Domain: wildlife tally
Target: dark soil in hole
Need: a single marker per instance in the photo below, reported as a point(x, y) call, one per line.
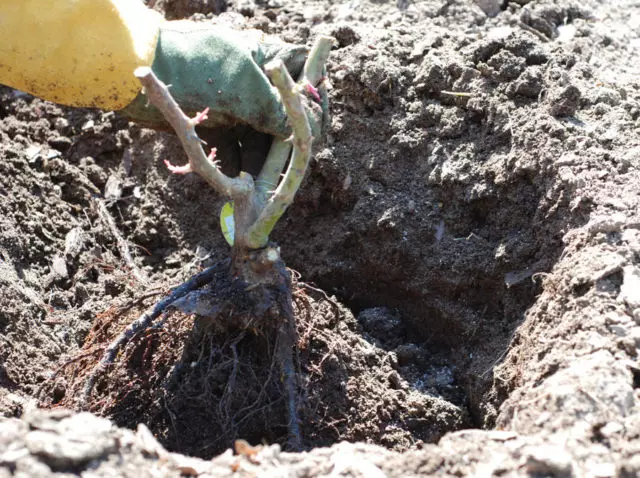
point(474, 205)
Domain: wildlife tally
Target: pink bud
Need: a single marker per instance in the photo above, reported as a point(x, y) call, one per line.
point(177, 169)
point(200, 117)
point(313, 91)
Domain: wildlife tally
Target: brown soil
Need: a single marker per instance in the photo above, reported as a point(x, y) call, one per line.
point(473, 211)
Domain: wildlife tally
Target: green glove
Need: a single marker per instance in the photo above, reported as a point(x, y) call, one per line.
point(219, 68)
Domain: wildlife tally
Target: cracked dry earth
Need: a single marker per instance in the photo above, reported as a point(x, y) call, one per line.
point(474, 209)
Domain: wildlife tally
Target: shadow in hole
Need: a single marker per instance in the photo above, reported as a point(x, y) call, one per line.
point(240, 148)
point(458, 260)
point(5, 381)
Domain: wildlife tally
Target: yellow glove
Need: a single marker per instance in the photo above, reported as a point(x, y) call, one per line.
point(77, 52)
point(84, 53)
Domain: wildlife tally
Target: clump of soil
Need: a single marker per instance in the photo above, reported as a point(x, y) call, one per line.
point(200, 382)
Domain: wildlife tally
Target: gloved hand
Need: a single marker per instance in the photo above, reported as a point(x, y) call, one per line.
point(221, 69)
point(84, 52)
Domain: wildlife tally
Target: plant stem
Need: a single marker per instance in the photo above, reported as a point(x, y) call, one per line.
point(314, 67)
point(159, 96)
point(313, 73)
point(258, 233)
point(274, 164)
point(257, 207)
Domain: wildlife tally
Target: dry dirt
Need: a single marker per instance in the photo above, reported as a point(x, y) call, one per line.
point(472, 217)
